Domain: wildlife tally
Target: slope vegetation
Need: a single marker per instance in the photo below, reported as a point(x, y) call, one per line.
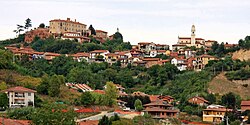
point(220, 84)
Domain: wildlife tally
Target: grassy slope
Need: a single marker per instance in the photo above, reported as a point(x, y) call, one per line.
point(221, 85)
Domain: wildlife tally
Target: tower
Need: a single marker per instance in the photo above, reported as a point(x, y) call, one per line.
point(193, 35)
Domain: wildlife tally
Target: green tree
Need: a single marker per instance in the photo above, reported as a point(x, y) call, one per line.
point(4, 101)
point(138, 105)
point(91, 28)
point(54, 86)
point(27, 24)
point(87, 99)
point(42, 25)
point(53, 114)
point(80, 75)
point(104, 121)
point(6, 60)
point(3, 86)
point(111, 93)
point(211, 98)
point(229, 100)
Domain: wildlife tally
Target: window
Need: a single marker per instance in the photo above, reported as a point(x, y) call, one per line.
point(29, 94)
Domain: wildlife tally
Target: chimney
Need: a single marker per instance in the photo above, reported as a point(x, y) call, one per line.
point(68, 19)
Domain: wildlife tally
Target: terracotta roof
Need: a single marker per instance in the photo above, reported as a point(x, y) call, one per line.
point(151, 59)
point(190, 38)
point(51, 54)
point(153, 97)
point(6, 121)
point(179, 45)
point(157, 109)
point(89, 122)
point(87, 110)
point(158, 102)
point(67, 21)
point(99, 51)
point(144, 43)
point(111, 54)
point(201, 98)
point(161, 45)
point(207, 56)
point(100, 31)
point(217, 109)
point(19, 89)
point(210, 41)
point(81, 55)
point(230, 45)
point(99, 91)
point(162, 51)
point(245, 103)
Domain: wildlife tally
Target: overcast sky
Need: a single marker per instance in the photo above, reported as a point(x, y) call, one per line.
point(159, 21)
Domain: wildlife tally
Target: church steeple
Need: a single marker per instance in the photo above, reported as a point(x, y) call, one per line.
point(193, 35)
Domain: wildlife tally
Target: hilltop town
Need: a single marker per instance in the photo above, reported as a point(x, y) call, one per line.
point(67, 73)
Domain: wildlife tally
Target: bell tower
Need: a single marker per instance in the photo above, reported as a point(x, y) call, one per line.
point(193, 35)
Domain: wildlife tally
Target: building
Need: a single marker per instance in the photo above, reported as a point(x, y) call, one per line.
point(98, 54)
point(81, 56)
point(209, 43)
point(58, 26)
point(49, 56)
point(198, 101)
point(202, 61)
point(245, 105)
point(138, 93)
point(77, 86)
point(151, 61)
point(214, 113)
point(20, 97)
point(191, 41)
point(111, 58)
point(75, 36)
point(101, 35)
point(160, 110)
point(42, 33)
point(180, 63)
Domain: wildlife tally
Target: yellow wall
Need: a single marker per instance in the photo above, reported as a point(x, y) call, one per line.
point(66, 26)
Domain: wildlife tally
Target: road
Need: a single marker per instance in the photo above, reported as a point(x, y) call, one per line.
point(98, 116)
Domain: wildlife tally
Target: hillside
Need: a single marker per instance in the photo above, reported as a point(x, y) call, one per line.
point(241, 55)
point(13, 78)
point(221, 85)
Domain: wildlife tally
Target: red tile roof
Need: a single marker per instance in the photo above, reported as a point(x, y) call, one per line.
point(151, 59)
point(144, 43)
point(6, 121)
point(81, 55)
point(153, 98)
point(101, 31)
point(245, 103)
point(89, 122)
point(19, 89)
point(99, 91)
point(157, 109)
point(68, 21)
point(99, 51)
point(158, 102)
point(87, 110)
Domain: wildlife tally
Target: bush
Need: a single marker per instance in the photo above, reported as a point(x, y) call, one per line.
point(21, 113)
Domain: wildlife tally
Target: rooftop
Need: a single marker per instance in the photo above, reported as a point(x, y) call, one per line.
point(19, 89)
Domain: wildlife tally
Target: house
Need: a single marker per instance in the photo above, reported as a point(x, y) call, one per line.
point(98, 55)
point(42, 33)
point(160, 110)
point(162, 47)
point(245, 105)
point(209, 43)
point(81, 56)
point(20, 97)
point(146, 46)
point(138, 93)
point(215, 113)
point(198, 100)
point(202, 61)
point(180, 63)
point(176, 47)
point(75, 36)
point(151, 61)
point(229, 46)
point(101, 35)
point(111, 58)
point(49, 56)
point(77, 86)
point(124, 57)
point(165, 98)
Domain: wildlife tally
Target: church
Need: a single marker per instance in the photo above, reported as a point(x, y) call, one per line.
point(191, 41)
